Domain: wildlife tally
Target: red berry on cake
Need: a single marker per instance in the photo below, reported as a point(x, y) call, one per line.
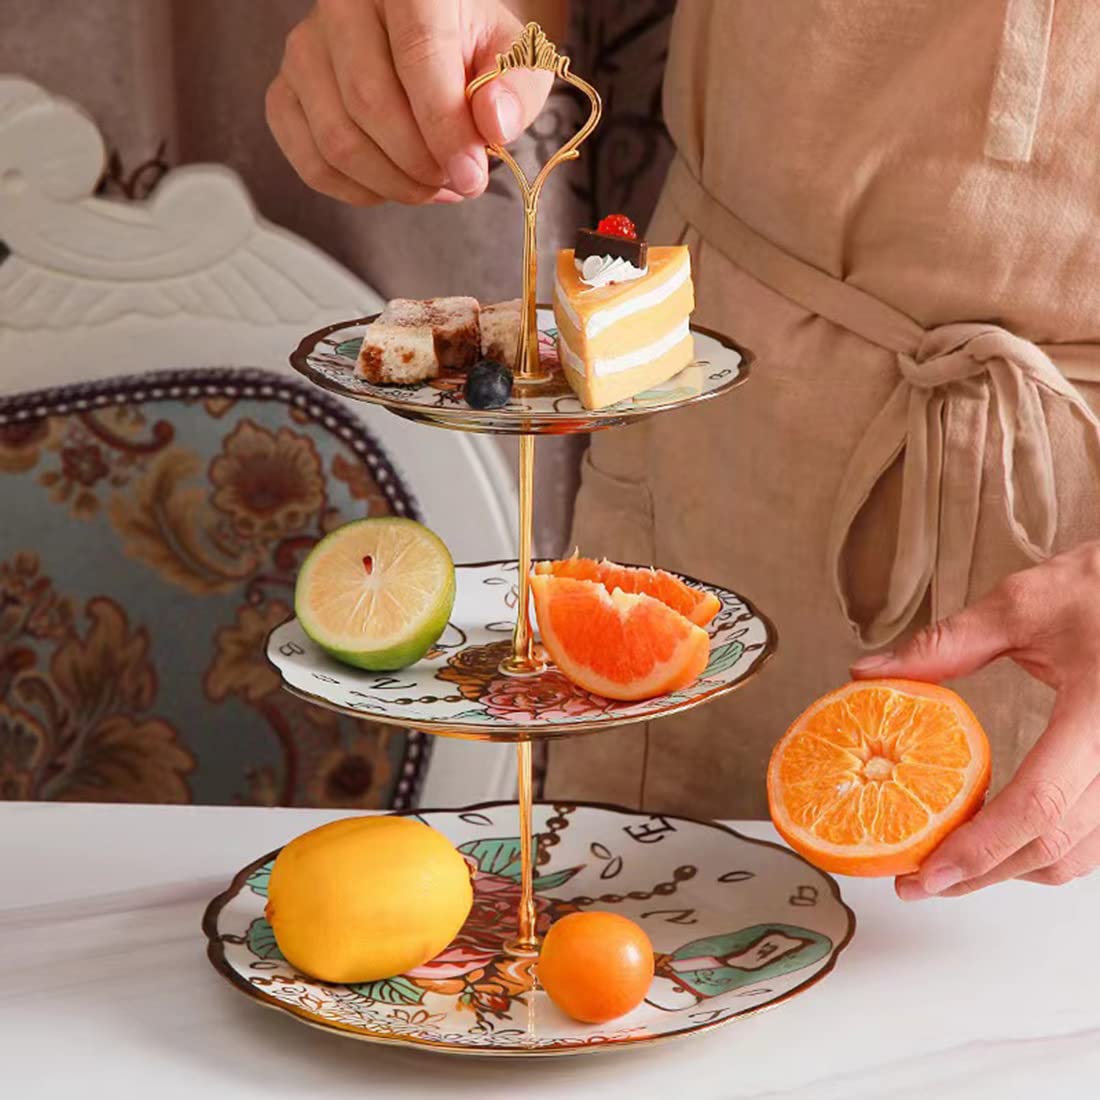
point(617, 225)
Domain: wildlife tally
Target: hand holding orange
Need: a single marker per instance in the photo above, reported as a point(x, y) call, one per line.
point(870, 779)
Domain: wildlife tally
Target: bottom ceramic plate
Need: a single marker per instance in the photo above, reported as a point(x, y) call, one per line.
point(738, 925)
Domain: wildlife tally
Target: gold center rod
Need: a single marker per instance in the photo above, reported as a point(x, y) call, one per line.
point(532, 50)
point(529, 366)
point(526, 941)
point(523, 662)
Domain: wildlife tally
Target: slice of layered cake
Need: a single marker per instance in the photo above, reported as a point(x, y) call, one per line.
point(622, 309)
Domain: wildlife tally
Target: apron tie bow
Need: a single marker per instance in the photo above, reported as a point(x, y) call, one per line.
point(938, 415)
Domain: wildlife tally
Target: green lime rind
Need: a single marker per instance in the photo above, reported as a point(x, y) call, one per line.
point(408, 647)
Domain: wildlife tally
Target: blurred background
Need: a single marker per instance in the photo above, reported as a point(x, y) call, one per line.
point(173, 82)
point(135, 670)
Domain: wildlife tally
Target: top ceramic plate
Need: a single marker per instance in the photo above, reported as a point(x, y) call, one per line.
point(457, 689)
point(327, 357)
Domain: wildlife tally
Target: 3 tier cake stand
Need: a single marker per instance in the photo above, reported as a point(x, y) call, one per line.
point(738, 925)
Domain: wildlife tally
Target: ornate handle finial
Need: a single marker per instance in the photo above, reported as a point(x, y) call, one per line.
point(533, 50)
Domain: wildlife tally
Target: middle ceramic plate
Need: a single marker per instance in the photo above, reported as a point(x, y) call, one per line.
point(457, 689)
point(327, 358)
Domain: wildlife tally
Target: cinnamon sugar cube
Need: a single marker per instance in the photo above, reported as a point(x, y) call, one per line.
point(397, 354)
point(453, 321)
point(500, 332)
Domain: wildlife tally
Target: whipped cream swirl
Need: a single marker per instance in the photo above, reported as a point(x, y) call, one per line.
point(605, 270)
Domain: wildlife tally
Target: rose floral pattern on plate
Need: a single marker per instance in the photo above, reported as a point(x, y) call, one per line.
point(327, 357)
point(457, 689)
point(737, 925)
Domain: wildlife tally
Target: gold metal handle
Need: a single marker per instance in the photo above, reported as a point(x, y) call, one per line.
point(533, 50)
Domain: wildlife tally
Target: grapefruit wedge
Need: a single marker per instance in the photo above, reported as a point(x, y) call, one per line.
point(622, 645)
point(694, 603)
point(870, 778)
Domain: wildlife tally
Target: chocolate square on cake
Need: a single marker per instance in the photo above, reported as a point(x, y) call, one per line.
point(591, 243)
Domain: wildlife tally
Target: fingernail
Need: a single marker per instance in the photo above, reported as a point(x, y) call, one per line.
point(941, 878)
point(910, 889)
point(466, 174)
point(446, 197)
point(508, 115)
point(875, 661)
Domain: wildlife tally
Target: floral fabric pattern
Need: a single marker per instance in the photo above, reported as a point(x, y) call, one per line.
point(154, 535)
point(268, 483)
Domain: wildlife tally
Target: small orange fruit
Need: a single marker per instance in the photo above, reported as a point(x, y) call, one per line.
point(695, 604)
point(871, 778)
point(618, 644)
point(596, 966)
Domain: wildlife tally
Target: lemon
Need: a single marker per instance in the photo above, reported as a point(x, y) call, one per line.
point(376, 593)
point(366, 898)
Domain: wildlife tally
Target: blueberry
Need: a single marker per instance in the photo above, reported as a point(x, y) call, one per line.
point(488, 385)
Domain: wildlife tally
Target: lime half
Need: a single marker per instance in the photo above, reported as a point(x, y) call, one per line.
point(376, 593)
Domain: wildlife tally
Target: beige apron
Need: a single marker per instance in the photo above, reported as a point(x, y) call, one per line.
point(894, 205)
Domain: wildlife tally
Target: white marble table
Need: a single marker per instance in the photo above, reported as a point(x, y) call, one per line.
point(105, 989)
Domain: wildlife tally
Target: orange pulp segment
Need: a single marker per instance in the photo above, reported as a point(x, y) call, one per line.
point(871, 778)
point(694, 603)
point(621, 645)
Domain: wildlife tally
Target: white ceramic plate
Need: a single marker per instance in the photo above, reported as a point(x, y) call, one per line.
point(738, 925)
point(457, 690)
point(327, 357)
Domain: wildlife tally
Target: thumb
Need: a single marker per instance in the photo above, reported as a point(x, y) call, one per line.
point(503, 109)
point(952, 647)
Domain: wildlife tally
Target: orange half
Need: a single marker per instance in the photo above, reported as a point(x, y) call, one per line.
point(694, 603)
point(872, 777)
point(618, 644)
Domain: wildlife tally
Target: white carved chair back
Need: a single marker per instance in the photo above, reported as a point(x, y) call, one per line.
point(93, 287)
